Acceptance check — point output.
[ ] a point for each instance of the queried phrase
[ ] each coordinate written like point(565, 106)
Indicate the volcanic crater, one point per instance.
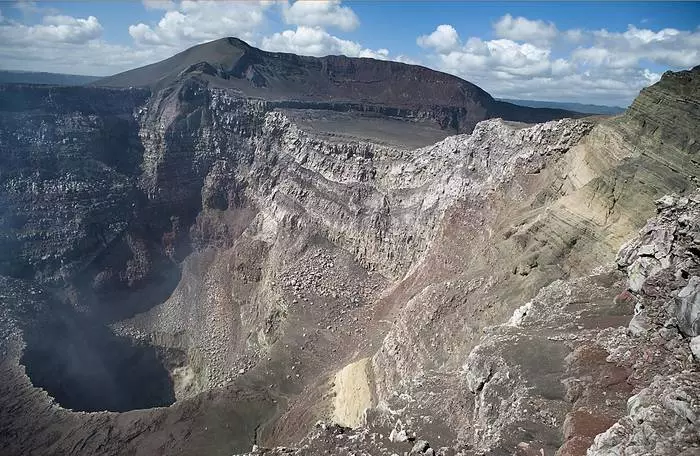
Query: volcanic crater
point(234, 251)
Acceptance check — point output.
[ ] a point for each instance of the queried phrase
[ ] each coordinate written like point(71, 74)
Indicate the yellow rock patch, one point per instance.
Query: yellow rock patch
point(354, 393)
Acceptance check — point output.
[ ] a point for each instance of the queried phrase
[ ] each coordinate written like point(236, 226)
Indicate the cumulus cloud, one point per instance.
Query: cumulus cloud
point(668, 47)
point(523, 29)
point(320, 14)
point(317, 42)
point(505, 57)
point(194, 22)
point(588, 65)
point(92, 58)
point(67, 44)
point(444, 39)
point(74, 45)
point(52, 29)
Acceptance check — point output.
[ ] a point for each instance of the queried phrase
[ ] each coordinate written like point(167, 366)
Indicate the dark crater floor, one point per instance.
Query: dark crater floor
point(85, 367)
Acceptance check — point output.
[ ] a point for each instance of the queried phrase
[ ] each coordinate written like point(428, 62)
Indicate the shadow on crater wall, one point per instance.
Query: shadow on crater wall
point(85, 367)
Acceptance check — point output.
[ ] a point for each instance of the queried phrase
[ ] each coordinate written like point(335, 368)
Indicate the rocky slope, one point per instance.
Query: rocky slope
point(196, 269)
point(562, 375)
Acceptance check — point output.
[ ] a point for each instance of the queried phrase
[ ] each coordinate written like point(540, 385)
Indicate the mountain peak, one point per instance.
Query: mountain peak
point(332, 82)
point(236, 42)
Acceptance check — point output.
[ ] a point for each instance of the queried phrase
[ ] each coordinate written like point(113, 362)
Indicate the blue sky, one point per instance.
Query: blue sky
point(586, 52)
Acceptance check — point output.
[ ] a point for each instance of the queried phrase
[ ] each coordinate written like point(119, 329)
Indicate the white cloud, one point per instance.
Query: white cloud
point(668, 47)
point(320, 14)
point(506, 57)
point(29, 7)
point(444, 39)
point(406, 59)
point(602, 57)
point(645, 36)
point(159, 4)
point(650, 76)
point(93, 58)
point(67, 44)
point(195, 22)
point(605, 67)
point(74, 45)
point(573, 35)
point(317, 42)
point(379, 54)
point(562, 67)
point(523, 29)
point(53, 29)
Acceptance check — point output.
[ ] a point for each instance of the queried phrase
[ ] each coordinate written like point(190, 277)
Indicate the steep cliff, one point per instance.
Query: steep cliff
point(201, 244)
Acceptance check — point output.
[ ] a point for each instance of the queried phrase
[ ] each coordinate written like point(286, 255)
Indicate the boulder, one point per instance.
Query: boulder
point(688, 308)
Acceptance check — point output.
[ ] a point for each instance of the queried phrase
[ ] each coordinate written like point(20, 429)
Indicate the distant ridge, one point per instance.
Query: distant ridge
point(32, 77)
point(578, 107)
point(333, 82)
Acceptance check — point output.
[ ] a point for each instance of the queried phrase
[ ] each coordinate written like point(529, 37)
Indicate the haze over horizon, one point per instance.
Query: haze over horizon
point(601, 53)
